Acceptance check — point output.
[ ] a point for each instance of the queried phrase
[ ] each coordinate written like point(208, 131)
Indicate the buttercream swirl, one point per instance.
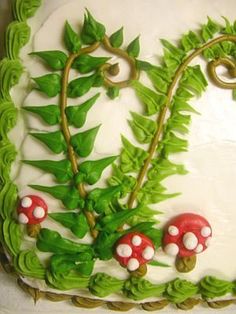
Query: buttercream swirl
point(11, 234)
point(17, 35)
point(23, 9)
point(138, 289)
point(8, 114)
point(102, 285)
point(8, 198)
point(212, 287)
point(178, 290)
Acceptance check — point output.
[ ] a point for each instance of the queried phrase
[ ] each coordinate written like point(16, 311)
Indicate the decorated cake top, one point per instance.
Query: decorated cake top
point(102, 209)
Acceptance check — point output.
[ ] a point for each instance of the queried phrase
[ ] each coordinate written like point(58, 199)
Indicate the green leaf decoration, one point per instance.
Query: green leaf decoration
point(55, 59)
point(209, 29)
point(11, 236)
point(119, 178)
point(176, 52)
point(116, 39)
point(50, 84)
point(52, 241)
point(174, 144)
point(159, 264)
point(60, 169)
point(153, 102)
point(80, 86)
point(104, 244)
point(112, 222)
point(54, 140)
point(193, 79)
point(113, 92)
point(77, 115)
point(91, 171)
point(155, 235)
point(49, 114)
point(190, 41)
point(178, 122)
point(229, 29)
point(83, 142)
point(71, 39)
point(86, 63)
point(100, 199)
point(144, 214)
point(92, 30)
point(143, 128)
point(69, 196)
point(133, 48)
point(76, 222)
point(132, 157)
point(180, 104)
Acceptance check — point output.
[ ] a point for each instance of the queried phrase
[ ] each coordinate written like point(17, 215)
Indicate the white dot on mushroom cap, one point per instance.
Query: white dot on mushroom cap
point(26, 202)
point(124, 250)
point(39, 212)
point(199, 248)
point(173, 230)
point(208, 241)
point(171, 249)
point(23, 219)
point(206, 231)
point(136, 240)
point(133, 264)
point(148, 253)
point(190, 241)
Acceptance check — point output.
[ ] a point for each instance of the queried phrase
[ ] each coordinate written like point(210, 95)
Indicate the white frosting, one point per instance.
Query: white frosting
point(136, 240)
point(206, 231)
point(23, 219)
point(124, 250)
point(39, 212)
point(171, 249)
point(190, 241)
point(173, 230)
point(133, 264)
point(148, 253)
point(199, 248)
point(26, 202)
point(208, 188)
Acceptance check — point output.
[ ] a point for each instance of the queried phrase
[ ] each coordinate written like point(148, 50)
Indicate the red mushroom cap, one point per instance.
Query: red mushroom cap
point(133, 250)
point(32, 210)
point(186, 235)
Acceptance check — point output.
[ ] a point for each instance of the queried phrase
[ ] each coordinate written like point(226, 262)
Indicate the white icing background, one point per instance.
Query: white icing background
point(208, 189)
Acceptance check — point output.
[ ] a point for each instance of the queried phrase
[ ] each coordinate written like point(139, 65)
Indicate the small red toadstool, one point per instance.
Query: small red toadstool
point(133, 250)
point(32, 210)
point(186, 235)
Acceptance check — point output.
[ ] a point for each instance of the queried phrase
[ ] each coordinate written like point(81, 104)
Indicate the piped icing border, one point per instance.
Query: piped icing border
point(179, 292)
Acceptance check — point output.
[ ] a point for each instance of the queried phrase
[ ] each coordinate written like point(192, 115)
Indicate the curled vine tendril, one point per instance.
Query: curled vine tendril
point(231, 67)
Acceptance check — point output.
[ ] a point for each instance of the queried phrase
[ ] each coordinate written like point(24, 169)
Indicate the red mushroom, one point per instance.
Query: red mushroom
point(32, 210)
point(186, 235)
point(133, 250)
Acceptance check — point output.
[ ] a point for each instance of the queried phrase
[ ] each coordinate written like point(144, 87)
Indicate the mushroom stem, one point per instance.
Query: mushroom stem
point(33, 230)
point(185, 264)
point(140, 272)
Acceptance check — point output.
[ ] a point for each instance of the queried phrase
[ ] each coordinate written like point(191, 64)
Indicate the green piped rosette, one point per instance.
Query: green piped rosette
point(101, 211)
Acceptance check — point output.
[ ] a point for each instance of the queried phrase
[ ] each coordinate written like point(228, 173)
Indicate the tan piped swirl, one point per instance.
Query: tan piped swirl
point(188, 304)
point(155, 306)
point(220, 304)
point(86, 302)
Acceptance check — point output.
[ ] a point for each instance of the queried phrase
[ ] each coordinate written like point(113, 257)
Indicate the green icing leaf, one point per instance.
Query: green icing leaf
point(160, 78)
point(80, 86)
point(112, 222)
point(158, 264)
point(60, 169)
point(17, 35)
point(104, 244)
point(54, 140)
point(190, 41)
point(50, 114)
point(180, 104)
point(77, 223)
point(91, 171)
point(27, 263)
point(152, 101)
point(102, 285)
point(52, 241)
point(178, 122)
point(132, 157)
point(8, 118)
point(50, 84)
point(145, 214)
point(133, 48)
point(100, 199)
point(138, 289)
point(92, 30)
point(211, 287)
point(67, 281)
point(77, 115)
point(143, 128)
point(143, 65)
point(71, 39)
point(176, 52)
point(69, 196)
point(24, 9)
point(209, 29)
point(116, 39)
point(229, 29)
point(214, 52)
point(55, 59)
point(193, 79)
point(8, 199)
point(83, 142)
point(173, 144)
point(11, 236)
point(113, 92)
point(86, 63)
point(178, 290)
point(119, 178)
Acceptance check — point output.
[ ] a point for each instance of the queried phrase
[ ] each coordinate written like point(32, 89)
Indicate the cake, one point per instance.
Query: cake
point(117, 179)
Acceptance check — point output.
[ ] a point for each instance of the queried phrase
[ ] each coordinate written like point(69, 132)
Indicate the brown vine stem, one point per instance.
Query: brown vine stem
point(161, 118)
